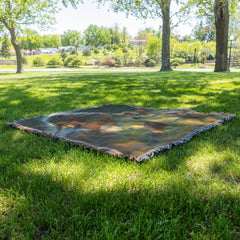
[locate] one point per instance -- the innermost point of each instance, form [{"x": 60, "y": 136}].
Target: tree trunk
[
  {"x": 165, "y": 8},
  {"x": 221, "y": 12},
  {"x": 17, "y": 48}
]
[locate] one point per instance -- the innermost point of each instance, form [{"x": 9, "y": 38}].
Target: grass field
[{"x": 52, "y": 190}]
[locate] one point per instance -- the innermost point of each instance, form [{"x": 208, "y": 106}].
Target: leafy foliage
[
  {"x": 86, "y": 52},
  {"x": 76, "y": 62},
  {"x": 31, "y": 40},
  {"x": 71, "y": 38},
  {"x": 138, "y": 62},
  {"x": 38, "y": 62},
  {"x": 50, "y": 41},
  {"x": 68, "y": 60},
  {"x": 119, "y": 60},
  {"x": 19, "y": 13},
  {"x": 73, "y": 61},
  {"x": 178, "y": 60},
  {"x": 96, "y": 50},
  {"x": 175, "y": 64},
  {"x": 150, "y": 62},
  {"x": 205, "y": 33},
  {"x": 154, "y": 48},
  {"x": 54, "y": 62},
  {"x": 97, "y": 36},
  {"x": 74, "y": 51},
  {"x": 109, "y": 61},
  {"x": 63, "y": 54},
  {"x": 5, "y": 49},
  {"x": 24, "y": 60}
]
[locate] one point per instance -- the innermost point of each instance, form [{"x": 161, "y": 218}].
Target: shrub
[
  {"x": 138, "y": 62},
  {"x": 175, "y": 64},
  {"x": 180, "y": 54},
  {"x": 178, "y": 60},
  {"x": 109, "y": 61},
  {"x": 24, "y": 60},
  {"x": 125, "y": 50},
  {"x": 86, "y": 52},
  {"x": 211, "y": 57},
  {"x": 38, "y": 62},
  {"x": 74, "y": 51},
  {"x": 96, "y": 50},
  {"x": 115, "y": 46},
  {"x": 109, "y": 48},
  {"x": 68, "y": 60},
  {"x": 54, "y": 62},
  {"x": 126, "y": 59},
  {"x": 73, "y": 61},
  {"x": 130, "y": 63},
  {"x": 118, "y": 52},
  {"x": 153, "y": 48},
  {"x": 195, "y": 56},
  {"x": 203, "y": 59},
  {"x": 119, "y": 60},
  {"x": 131, "y": 46},
  {"x": 105, "y": 52},
  {"x": 97, "y": 62},
  {"x": 63, "y": 54},
  {"x": 150, "y": 62},
  {"x": 76, "y": 62}
]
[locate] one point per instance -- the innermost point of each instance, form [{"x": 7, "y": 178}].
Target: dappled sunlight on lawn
[{"x": 51, "y": 189}]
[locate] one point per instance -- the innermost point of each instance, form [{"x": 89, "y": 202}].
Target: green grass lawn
[{"x": 53, "y": 190}]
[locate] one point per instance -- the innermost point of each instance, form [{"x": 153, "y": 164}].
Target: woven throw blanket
[{"x": 123, "y": 130}]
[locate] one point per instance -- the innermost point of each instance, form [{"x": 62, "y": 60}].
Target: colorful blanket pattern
[{"x": 123, "y": 130}]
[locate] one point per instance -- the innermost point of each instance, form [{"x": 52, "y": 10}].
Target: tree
[
  {"x": 97, "y": 36},
  {"x": 15, "y": 15},
  {"x": 221, "y": 10},
  {"x": 63, "y": 54},
  {"x": 144, "y": 35},
  {"x": 51, "y": 41},
  {"x": 5, "y": 49},
  {"x": 31, "y": 41},
  {"x": 72, "y": 38},
  {"x": 234, "y": 25},
  {"x": 165, "y": 9},
  {"x": 124, "y": 35},
  {"x": 154, "y": 48},
  {"x": 144, "y": 9},
  {"x": 115, "y": 35},
  {"x": 205, "y": 32}
]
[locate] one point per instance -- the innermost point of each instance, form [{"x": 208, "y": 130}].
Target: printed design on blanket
[{"x": 123, "y": 130}]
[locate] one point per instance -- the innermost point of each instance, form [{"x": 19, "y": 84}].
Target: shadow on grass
[
  {"x": 57, "y": 92},
  {"x": 43, "y": 206},
  {"x": 110, "y": 198},
  {"x": 36, "y": 95}
]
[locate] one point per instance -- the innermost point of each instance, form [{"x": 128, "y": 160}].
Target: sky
[{"x": 88, "y": 13}]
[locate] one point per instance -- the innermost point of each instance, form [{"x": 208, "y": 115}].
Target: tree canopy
[
  {"x": 17, "y": 15},
  {"x": 97, "y": 36},
  {"x": 71, "y": 38},
  {"x": 145, "y": 9},
  {"x": 5, "y": 49}
]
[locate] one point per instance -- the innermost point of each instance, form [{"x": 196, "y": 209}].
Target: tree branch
[{"x": 5, "y": 23}]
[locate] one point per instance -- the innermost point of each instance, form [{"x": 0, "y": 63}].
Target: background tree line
[
  {"x": 196, "y": 48},
  {"x": 17, "y": 15},
  {"x": 94, "y": 36}
]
